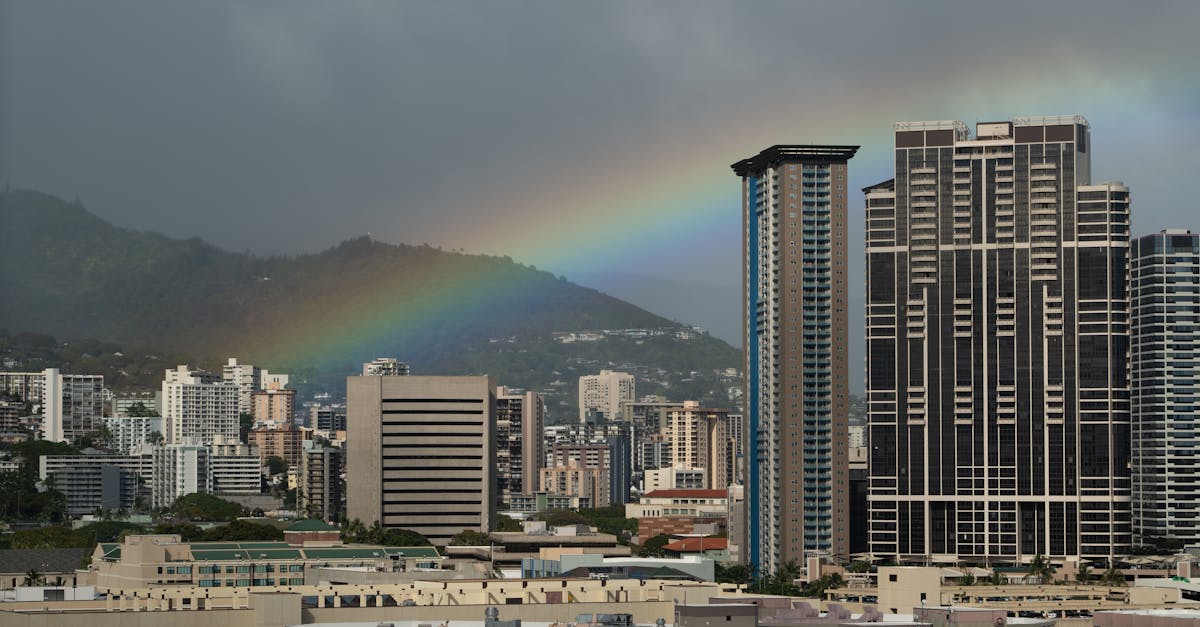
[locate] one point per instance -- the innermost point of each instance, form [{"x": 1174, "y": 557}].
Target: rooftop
[
  {"x": 799, "y": 153},
  {"x": 691, "y": 494},
  {"x": 695, "y": 545}
]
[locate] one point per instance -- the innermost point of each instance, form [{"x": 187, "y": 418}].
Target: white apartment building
[
  {"x": 129, "y": 433},
  {"x": 604, "y": 393},
  {"x": 72, "y": 405},
  {"x": 198, "y": 406},
  {"x": 179, "y": 470}
]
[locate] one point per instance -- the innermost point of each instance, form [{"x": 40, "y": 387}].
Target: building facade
[
  {"x": 320, "y": 493},
  {"x": 698, "y": 438},
  {"x": 794, "y": 314},
  {"x": 997, "y": 335},
  {"x": 128, "y": 434},
  {"x": 577, "y": 481},
  {"x": 421, "y": 452},
  {"x": 199, "y": 406},
  {"x": 274, "y": 406},
  {"x": 234, "y": 468},
  {"x": 603, "y": 393},
  {"x": 520, "y": 456},
  {"x": 179, "y": 470},
  {"x": 1165, "y": 375},
  {"x": 72, "y": 405},
  {"x": 385, "y": 367},
  {"x": 286, "y": 444}
]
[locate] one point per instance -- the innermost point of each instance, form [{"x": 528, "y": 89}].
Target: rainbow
[{"x": 670, "y": 210}]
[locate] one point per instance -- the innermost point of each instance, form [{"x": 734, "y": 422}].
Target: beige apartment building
[
  {"x": 576, "y": 480},
  {"x": 421, "y": 453},
  {"x": 699, "y": 438},
  {"x": 274, "y": 406}
]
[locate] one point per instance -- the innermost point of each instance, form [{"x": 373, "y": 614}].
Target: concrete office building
[
  {"x": 997, "y": 335},
  {"x": 1165, "y": 373},
  {"x": 604, "y": 393},
  {"x": 421, "y": 453},
  {"x": 320, "y": 491},
  {"x": 520, "y": 456},
  {"x": 199, "y": 406},
  {"x": 794, "y": 320}
]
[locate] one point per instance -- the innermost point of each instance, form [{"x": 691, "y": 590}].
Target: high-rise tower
[
  {"x": 794, "y": 321},
  {"x": 1165, "y": 369},
  {"x": 997, "y": 334}
]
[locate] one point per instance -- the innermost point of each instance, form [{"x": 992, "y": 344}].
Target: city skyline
[{"x": 345, "y": 124}]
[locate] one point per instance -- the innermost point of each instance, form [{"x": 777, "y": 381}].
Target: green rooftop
[{"x": 311, "y": 524}]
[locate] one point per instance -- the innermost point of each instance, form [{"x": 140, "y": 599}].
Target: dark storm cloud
[{"x": 286, "y": 126}]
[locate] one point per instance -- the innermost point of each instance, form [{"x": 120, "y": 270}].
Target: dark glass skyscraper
[
  {"x": 997, "y": 341},
  {"x": 794, "y": 253},
  {"x": 1165, "y": 368}
]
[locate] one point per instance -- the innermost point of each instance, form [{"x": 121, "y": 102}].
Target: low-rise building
[
  {"x": 712, "y": 548},
  {"x": 147, "y": 561},
  {"x": 542, "y": 501}
]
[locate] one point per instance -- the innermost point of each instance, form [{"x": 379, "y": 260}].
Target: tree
[
  {"x": 1084, "y": 574},
  {"x": 1041, "y": 569},
  {"x": 560, "y": 517},
  {"x": 997, "y": 578},
  {"x": 1113, "y": 577},
  {"x": 967, "y": 580},
  {"x": 139, "y": 410},
  {"x": 469, "y": 537},
  {"x": 781, "y": 582},
  {"x": 403, "y": 537},
  {"x": 53, "y": 537},
  {"x": 653, "y": 547},
  {"x": 108, "y": 530},
  {"x": 826, "y": 582},
  {"x": 507, "y": 523},
  {"x": 188, "y": 532},
  {"x": 154, "y": 438},
  {"x": 205, "y": 507},
  {"x": 33, "y": 578},
  {"x": 243, "y": 531},
  {"x": 734, "y": 573},
  {"x": 276, "y": 465},
  {"x": 860, "y": 566}
]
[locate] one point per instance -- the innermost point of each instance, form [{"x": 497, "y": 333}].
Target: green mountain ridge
[{"x": 69, "y": 273}]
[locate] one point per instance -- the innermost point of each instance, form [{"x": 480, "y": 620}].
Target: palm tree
[
  {"x": 967, "y": 580},
  {"x": 997, "y": 579},
  {"x": 1113, "y": 577},
  {"x": 1085, "y": 572},
  {"x": 34, "y": 578},
  {"x": 1041, "y": 569}
]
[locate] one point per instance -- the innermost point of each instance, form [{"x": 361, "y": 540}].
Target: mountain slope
[{"x": 66, "y": 272}]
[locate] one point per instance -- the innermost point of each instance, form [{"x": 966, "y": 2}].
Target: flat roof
[{"x": 800, "y": 153}]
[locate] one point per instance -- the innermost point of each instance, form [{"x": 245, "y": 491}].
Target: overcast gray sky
[{"x": 591, "y": 139}]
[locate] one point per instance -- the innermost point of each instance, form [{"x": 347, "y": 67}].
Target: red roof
[
  {"x": 697, "y": 545},
  {"x": 691, "y": 494}
]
